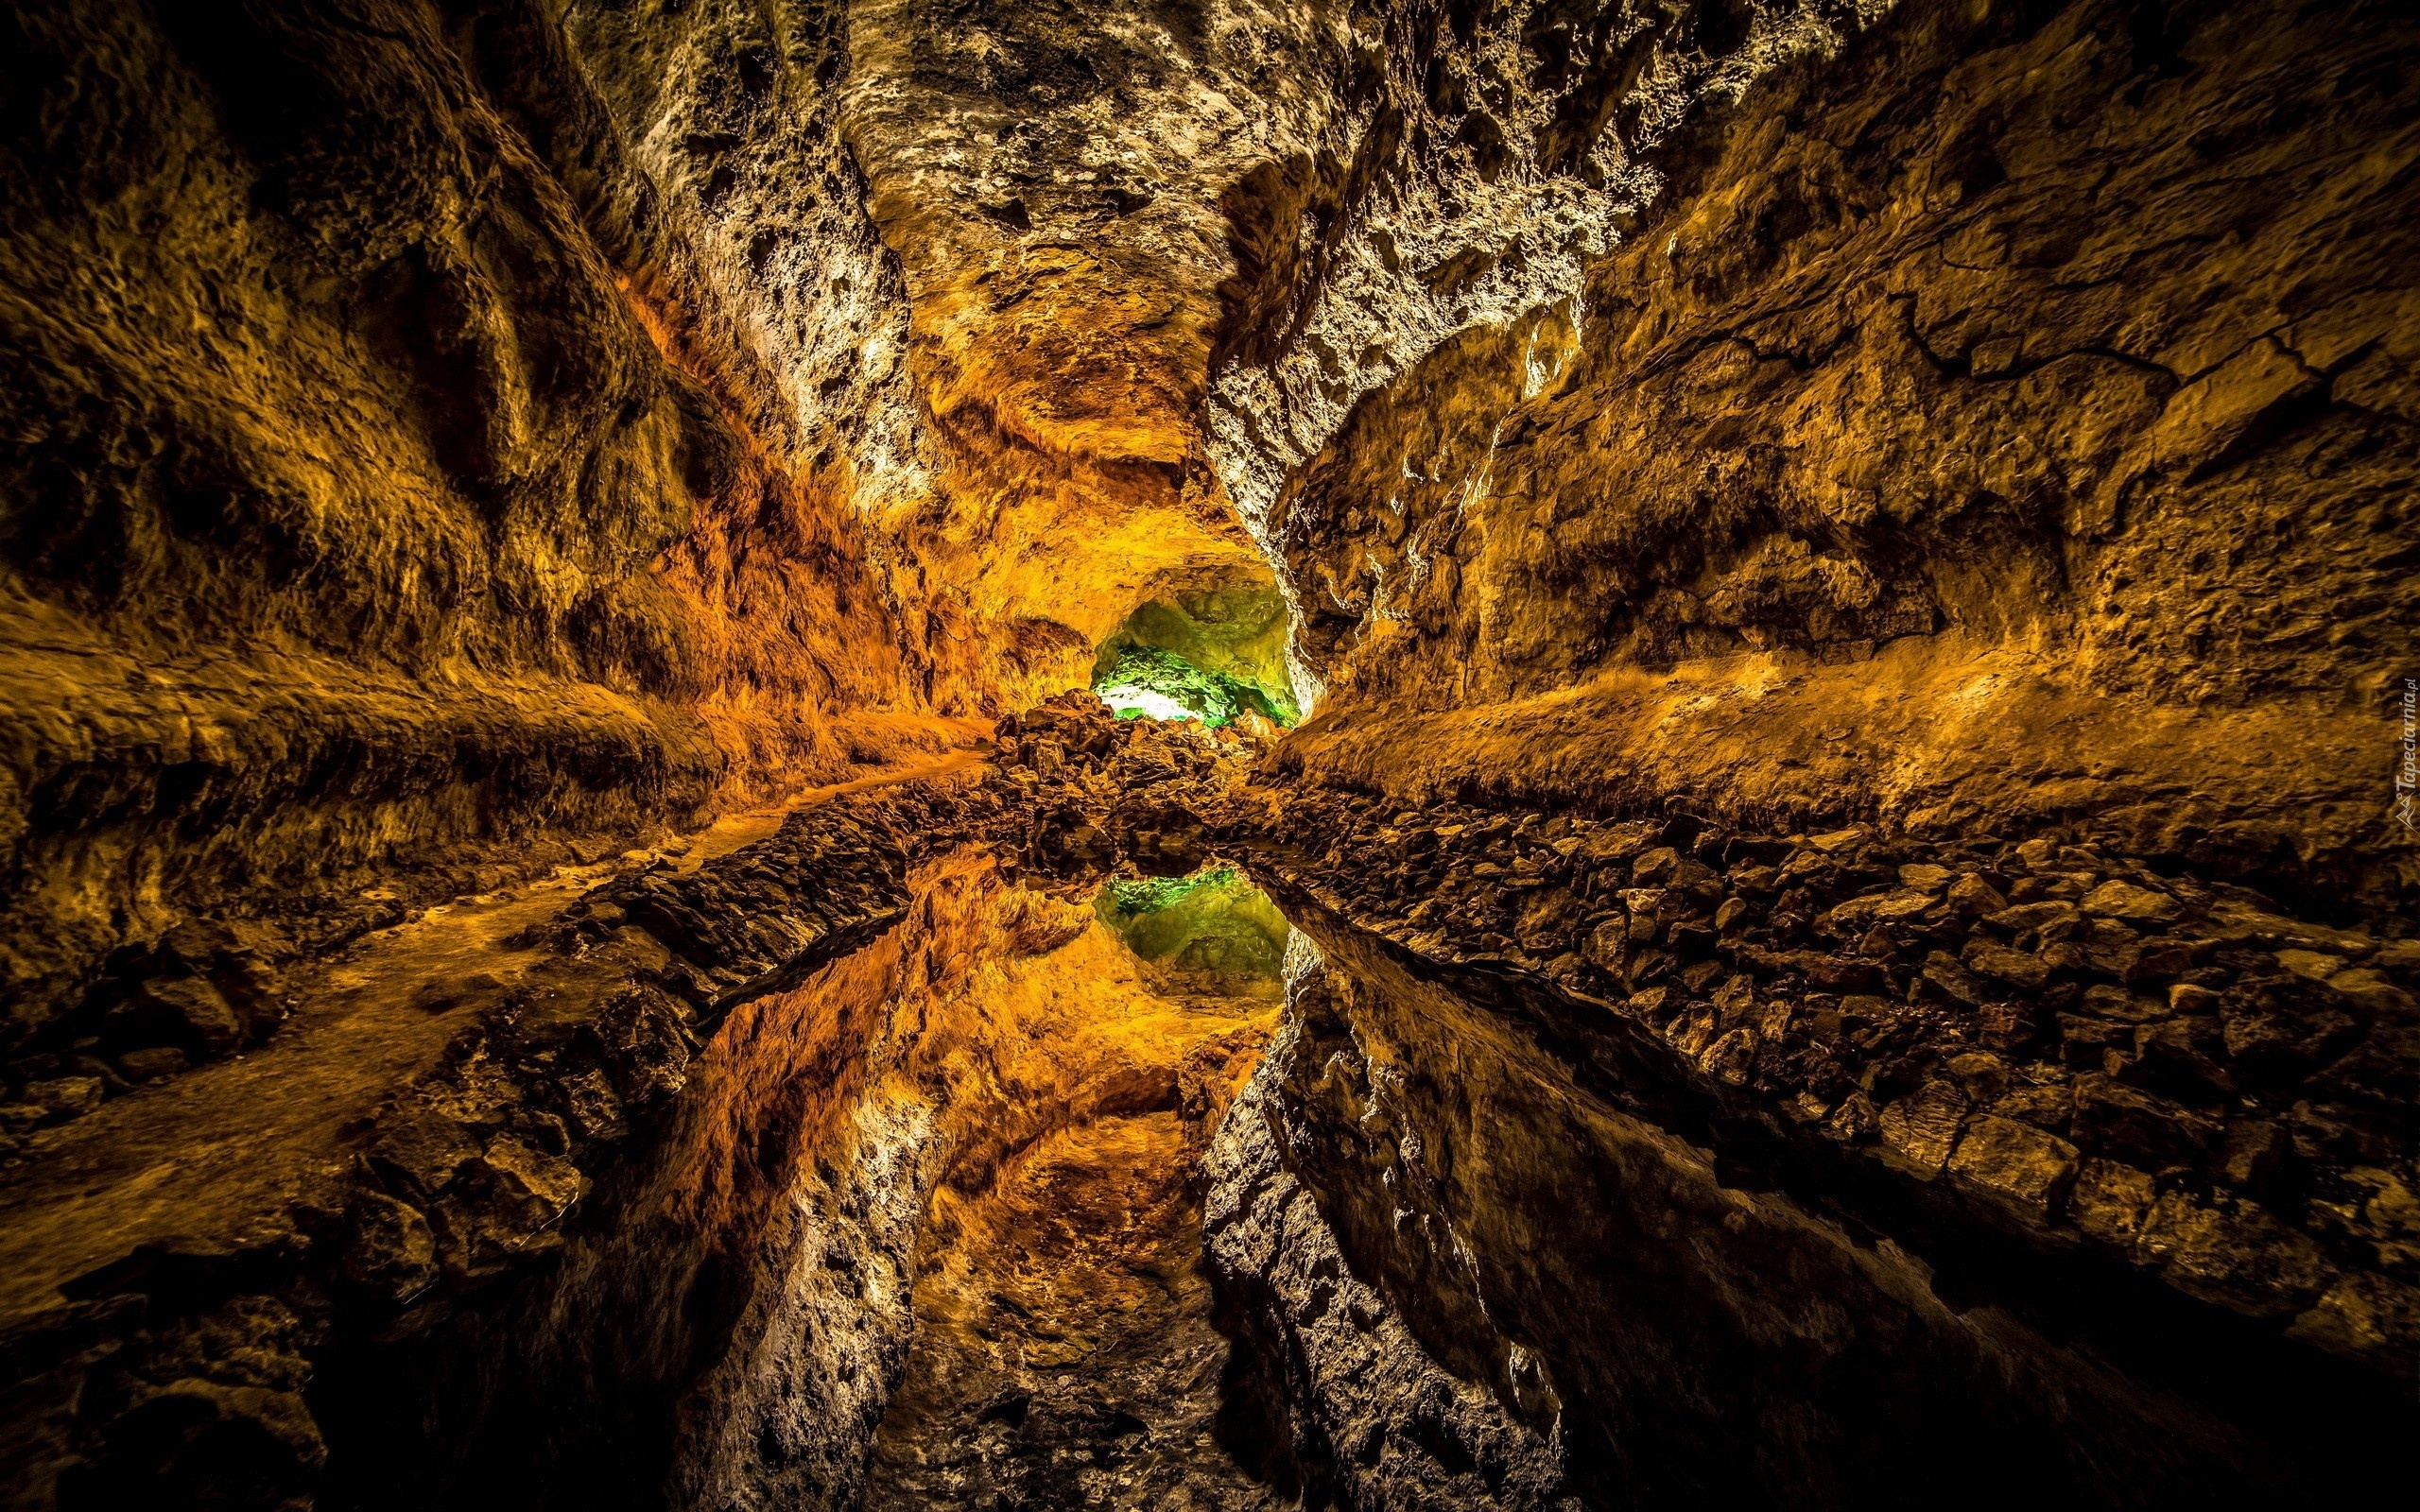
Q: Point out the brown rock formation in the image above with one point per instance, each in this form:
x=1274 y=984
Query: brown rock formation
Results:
x=2001 y=418
x=361 y=516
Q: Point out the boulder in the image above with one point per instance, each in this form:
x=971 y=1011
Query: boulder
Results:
x=151 y=1065
x=2282 y=1027
x=2139 y=1127
x=1944 y=970
x=2375 y=1319
x=63 y=1098
x=2044 y=1107
x=2240 y=1257
x=192 y=1010
x=1974 y=897
x=2109 y=1200
x=1730 y=1058
x=1854 y=1121
x=2015 y=1165
x=2123 y=899
x=1657 y=867
x=391 y=1252
x=1920 y=1129
x=424 y=1150
x=2184 y=1057
x=2016 y=968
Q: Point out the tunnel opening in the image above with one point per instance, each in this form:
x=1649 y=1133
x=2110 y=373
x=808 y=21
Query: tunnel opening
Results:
x=1213 y=930
x=1216 y=655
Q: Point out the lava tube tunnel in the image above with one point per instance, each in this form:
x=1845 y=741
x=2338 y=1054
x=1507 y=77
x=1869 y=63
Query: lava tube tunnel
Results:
x=1394 y=756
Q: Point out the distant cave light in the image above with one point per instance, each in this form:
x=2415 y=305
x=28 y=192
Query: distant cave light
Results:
x=1131 y=701
x=1212 y=931
x=1150 y=682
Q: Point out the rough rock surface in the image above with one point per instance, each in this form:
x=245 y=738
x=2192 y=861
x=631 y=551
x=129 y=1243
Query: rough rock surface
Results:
x=438 y=1129
x=2040 y=1035
x=739 y=1082
x=1549 y=1294
x=809 y=1085
x=360 y=516
x=2008 y=412
x=1064 y=1351
x=971 y=257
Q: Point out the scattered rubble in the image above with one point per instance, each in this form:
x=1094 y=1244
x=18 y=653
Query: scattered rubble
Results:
x=2169 y=1067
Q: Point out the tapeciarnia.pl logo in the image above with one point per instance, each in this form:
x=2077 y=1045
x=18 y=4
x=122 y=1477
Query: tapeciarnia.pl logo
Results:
x=2407 y=775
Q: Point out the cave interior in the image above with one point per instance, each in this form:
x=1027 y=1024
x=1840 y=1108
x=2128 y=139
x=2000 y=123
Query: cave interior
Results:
x=1218 y=755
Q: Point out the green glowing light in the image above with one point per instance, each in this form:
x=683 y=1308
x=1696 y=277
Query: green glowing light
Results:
x=1213 y=925
x=1143 y=682
x=1133 y=701
x=1129 y=897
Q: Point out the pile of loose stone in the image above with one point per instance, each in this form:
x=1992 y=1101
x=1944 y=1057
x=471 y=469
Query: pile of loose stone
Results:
x=2167 y=1068
x=1090 y=790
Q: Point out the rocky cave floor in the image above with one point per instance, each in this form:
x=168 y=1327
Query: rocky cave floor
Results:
x=1990 y=1138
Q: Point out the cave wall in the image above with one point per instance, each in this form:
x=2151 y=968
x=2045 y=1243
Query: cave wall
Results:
x=1051 y=178
x=371 y=503
x=1779 y=408
x=1999 y=410
x=983 y=248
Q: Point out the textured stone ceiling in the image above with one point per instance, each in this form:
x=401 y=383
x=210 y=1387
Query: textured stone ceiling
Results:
x=1021 y=341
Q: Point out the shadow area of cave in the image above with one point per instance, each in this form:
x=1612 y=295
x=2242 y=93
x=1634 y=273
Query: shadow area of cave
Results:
x=1524 y=1263
x=1628 y=1289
